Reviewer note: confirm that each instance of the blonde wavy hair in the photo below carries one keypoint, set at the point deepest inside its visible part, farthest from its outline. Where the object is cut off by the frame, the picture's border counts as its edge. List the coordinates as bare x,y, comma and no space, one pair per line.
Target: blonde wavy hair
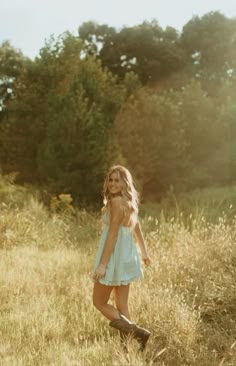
128,192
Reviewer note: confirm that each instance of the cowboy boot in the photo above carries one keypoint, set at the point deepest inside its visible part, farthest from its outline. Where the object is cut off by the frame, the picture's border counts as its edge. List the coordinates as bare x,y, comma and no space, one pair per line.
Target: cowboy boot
126,327
142,335
124,341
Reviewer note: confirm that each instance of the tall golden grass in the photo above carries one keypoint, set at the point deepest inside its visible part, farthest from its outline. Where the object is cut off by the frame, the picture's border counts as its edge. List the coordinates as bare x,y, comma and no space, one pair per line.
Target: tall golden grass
187,298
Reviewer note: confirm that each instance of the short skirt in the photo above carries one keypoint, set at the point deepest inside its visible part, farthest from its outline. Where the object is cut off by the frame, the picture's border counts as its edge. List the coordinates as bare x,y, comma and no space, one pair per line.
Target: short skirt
124,265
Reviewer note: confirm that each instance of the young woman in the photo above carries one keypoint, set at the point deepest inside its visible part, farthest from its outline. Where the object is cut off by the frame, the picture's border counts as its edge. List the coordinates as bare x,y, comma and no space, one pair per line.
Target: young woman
117,261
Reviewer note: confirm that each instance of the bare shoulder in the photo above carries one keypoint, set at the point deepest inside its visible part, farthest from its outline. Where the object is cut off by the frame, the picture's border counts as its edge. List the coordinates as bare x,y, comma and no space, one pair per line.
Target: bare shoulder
119,204
116,209
116,202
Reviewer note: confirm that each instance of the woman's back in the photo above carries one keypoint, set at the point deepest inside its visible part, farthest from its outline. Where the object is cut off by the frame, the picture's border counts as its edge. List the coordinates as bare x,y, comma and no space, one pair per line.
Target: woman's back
125,209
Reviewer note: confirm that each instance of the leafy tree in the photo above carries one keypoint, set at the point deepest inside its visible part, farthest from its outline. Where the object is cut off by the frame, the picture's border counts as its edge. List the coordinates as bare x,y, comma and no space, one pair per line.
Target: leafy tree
94,36
227,115
61,117
73,153
179,130
209,42
207,137
24,129
152,140
11,66
148,50
177,137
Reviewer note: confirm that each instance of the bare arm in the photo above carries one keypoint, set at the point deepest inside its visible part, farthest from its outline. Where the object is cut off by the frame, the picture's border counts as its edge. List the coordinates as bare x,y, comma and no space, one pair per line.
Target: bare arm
140,240
116,218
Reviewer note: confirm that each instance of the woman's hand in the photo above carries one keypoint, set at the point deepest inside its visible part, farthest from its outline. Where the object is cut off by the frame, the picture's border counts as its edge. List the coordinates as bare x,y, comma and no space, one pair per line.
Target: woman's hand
146,259
99,272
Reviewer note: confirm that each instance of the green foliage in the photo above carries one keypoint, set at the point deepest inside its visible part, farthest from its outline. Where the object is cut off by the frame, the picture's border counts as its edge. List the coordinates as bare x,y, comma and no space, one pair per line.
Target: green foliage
206,136
176,137
146,49
11,66
151,140
198,206
14,195
61,118
210,45
178,130
62,204
94,36
228,112
78,120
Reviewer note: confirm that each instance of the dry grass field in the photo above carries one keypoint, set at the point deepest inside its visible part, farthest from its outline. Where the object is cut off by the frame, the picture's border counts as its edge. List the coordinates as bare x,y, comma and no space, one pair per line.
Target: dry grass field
187,298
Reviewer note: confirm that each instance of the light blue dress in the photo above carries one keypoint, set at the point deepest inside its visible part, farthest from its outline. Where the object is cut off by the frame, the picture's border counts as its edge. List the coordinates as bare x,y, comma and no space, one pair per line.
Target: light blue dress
124,265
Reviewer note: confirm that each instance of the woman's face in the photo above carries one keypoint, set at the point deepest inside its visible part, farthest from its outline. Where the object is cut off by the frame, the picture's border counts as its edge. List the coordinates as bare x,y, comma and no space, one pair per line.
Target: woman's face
115,184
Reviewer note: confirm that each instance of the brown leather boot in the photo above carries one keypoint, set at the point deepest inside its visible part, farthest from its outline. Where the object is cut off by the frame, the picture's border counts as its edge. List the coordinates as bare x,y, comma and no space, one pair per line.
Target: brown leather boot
126,327
124,340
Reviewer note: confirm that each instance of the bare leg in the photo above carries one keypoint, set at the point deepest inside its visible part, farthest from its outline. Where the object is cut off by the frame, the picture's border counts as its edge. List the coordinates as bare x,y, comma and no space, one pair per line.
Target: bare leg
101,295
121,294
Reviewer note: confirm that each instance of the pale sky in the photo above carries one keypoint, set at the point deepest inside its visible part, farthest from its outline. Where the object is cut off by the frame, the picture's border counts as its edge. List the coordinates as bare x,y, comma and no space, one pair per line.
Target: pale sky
28,23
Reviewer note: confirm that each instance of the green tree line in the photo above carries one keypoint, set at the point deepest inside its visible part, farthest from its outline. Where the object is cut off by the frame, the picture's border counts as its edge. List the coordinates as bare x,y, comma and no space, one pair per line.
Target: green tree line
160,101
